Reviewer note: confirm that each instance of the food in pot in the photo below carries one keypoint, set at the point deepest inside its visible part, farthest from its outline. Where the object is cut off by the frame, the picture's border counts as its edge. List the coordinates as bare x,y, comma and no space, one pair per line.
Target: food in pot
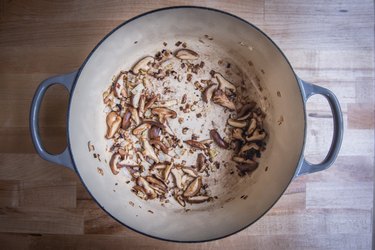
142,106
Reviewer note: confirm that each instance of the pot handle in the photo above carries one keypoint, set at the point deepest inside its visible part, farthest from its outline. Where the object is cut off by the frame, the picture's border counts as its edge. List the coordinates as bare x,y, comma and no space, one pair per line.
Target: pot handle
65,157
338,128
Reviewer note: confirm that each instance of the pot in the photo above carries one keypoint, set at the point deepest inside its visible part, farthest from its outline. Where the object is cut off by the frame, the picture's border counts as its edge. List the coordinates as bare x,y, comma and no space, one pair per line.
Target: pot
282,94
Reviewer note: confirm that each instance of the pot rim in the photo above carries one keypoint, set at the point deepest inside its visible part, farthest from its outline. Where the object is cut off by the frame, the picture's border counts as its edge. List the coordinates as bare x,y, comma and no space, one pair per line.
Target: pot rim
171,8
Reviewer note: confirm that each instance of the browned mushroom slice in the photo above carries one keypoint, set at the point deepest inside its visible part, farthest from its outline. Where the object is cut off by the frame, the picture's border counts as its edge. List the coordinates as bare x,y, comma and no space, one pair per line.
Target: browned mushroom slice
135,115
141,128
252,126
147,188
190,171
126,120
161,145
239,159
248,146
180,200
217,139
113,163
148,150
208,92
237,134
167,171
256,136
246,109
237,123
141,106
201,162
195,144
164,112
198,199
246,168
177,178
151,101
193,188
186,54
140,192
159,166
224,83
113,124
220,98
154,133
143,64
156,182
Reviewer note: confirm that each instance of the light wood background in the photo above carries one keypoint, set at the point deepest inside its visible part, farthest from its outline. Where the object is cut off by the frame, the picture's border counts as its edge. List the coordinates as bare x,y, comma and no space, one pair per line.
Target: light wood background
330,43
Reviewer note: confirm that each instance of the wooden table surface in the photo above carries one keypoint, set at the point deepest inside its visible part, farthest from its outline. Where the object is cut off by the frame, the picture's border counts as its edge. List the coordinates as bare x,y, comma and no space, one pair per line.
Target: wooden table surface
329,43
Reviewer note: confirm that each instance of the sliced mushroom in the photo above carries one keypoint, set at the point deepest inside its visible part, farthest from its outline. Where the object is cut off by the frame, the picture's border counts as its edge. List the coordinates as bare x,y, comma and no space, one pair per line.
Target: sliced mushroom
195,144
154,133
237,134
140,192
158,166
141,106
141,128
156,182
245,117
164,112
224,83
151,102
161,145
135,116
242,160
237,123
143,64
198,199
186,54
113,124
177,178
207,142
248,146
147,188
247,168
167,171
113,163
147,83
220,98
252,126
201,162
180,200
217,139
256,136
149,151
193,188
246,109
126,120
167,128
208,92
190,171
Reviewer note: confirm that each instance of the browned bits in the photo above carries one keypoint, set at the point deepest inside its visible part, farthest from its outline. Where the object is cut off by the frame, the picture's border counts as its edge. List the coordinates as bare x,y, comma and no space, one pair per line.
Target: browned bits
189,77
178,43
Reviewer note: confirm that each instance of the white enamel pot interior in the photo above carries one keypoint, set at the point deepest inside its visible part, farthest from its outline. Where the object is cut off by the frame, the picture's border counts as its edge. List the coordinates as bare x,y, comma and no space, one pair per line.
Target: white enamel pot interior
234,39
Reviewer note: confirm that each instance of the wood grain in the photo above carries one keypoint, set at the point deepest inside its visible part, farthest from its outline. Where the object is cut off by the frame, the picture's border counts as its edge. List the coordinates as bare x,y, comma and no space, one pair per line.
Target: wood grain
329,43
